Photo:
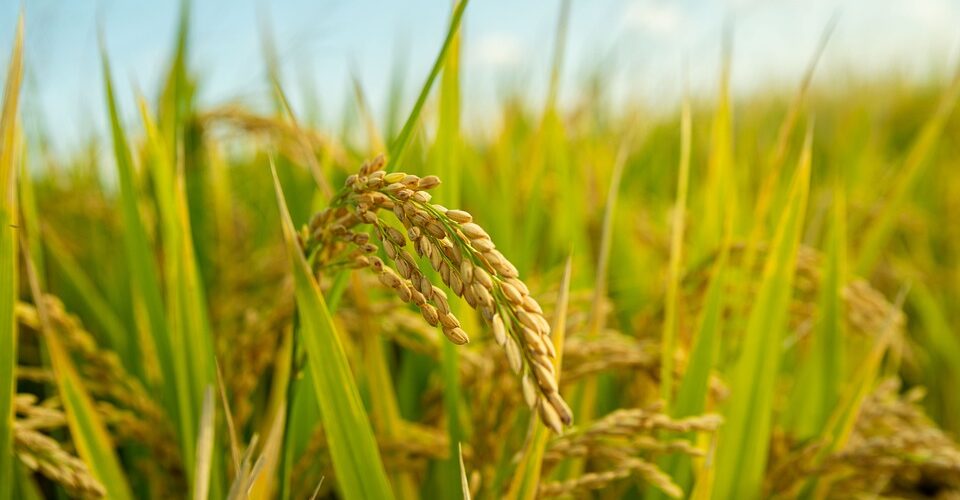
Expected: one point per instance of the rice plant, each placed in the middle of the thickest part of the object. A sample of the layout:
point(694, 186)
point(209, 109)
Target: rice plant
point(730, 301)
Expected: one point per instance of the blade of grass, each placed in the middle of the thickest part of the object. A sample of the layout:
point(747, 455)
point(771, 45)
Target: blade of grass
point(584, 396)
point(399, 144)
point(87, 430)
point(880, 231)
point(356, 458)
point(526, 477)
point(114, 333)
point(25, 487)
point(204, 451)
point(769, 188)
point(383, 403)
point(175, 95)
point(232, 440)
point(316, 169)
point(669, 339)
point(31, 218)
point(262, 479)
point(145, 286)
point(464, 483)
point(9, 137)
point(844, 416)
point(186, 297)
point(742, 449)
point(822, 375)
point(302, 407)
point(694, 386)
point(944, 345)
point(720, 200)
point(274, 424)
point(548, 150)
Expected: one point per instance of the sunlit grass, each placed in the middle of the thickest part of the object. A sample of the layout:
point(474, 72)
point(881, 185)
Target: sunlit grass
point(737, 300)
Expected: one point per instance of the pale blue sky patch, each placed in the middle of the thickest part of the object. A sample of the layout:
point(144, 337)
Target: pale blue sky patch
point(640, 44)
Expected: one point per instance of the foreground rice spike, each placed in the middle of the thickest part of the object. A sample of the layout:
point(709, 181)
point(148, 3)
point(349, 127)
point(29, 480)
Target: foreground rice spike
point(132, 416)
point(43, 454)
point(627, 440)
point(894, 451)
point(464, 256)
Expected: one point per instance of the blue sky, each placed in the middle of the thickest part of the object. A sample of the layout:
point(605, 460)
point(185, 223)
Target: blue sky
point(643, 43)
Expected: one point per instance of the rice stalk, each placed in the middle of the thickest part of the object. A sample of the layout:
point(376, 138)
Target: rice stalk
point(9, 236)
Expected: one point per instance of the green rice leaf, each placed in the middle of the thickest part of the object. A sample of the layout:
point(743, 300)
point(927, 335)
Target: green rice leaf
point(87, 430)
point(743, 441)
point(821, 376)
point(669, 340)
point(353, 449)
point(399, 144)
point(186, 297)
point(464, 483)
point(114, 333)
point(882, 228)
point(844, 415)
point(86, 427)
point(694, 387)
point(9, 137)
point(145, 284)
point(204, 451)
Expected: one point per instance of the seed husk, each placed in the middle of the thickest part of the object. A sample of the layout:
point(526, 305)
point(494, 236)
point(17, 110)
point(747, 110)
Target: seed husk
point(428, 182)
point(513, 355)
point(499, 331)
point(549, 416)
point(430, 314)
point(473, 231)
point(456, 335)
point(529, 390)
point(459, 216)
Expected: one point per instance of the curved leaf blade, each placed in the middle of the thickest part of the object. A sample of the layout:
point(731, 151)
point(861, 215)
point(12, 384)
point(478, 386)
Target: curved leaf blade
point(353, 449)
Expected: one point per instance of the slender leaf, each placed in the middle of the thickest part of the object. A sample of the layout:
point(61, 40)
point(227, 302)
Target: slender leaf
point(584, 396)
point(694, 387)
point(399, 144)
point(145, 285)
point(843, 418)
point(880, 231)
point(668, 342)
point(87, 430)
point(823, 373)
point(742, 452)
point(204, 451)
point(114, 333)
point(356, 458)
point(464, 483)
point(9, 137)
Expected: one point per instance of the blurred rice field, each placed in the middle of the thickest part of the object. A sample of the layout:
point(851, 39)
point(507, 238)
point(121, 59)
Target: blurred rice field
point(741, 298)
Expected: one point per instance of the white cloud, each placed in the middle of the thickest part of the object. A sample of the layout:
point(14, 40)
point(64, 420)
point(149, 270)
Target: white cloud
point(499, 50)
point(657, 18)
